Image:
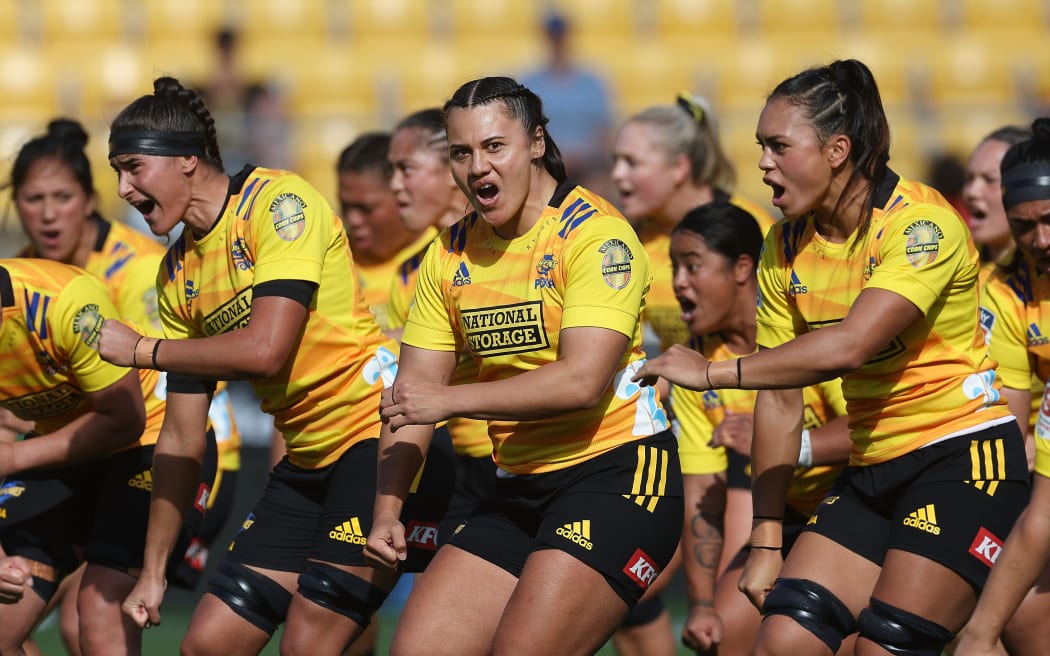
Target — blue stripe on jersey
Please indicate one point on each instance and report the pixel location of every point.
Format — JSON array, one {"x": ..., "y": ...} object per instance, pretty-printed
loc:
[
  {"x": 1021, "y": 284},
  {"x": 118, "y": 264},
  {"x": 173, "y": 259},
  {"x": 575, "y": 214},
  {"x": 247, "y": 194},
  {"x": 409, "y": 266},
  {"x": 37, "y": 311},
  {"x": 793, "y": 232},
  {"x": 457, "y": 237},
  {"x": 255, "y": 196}
]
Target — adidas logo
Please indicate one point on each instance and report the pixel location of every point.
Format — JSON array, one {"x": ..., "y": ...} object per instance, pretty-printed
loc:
[
  {"x": 462, "y": 276},
  {"x": 349, "y": 531},
  {"x": 924, "y": 519},
  {"x": 578, "y": 532},
  {"x": 142, "y": 480}
]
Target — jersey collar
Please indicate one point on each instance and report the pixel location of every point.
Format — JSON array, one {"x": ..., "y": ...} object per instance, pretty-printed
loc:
[
  {"x": 103, "y": 232},
  {"x": 563, "y": 189},
  {"x": 7, "y": 292},
  {"x": 885, "y": 190}
]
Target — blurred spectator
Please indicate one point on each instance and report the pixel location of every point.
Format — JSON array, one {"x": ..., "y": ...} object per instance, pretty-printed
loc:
[
  {"x": 266, "y": 141},
  {"x": 249, "y": 114},
  {"x": 576, "y": 100},
  {"x": 947, "y": 174}
]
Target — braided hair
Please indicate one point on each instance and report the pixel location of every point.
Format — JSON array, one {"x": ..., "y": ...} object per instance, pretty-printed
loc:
[
  {"x": 521, "y": 103},
  {"x": 172, "y": 108},
  {"x": 842, "y": 98}
]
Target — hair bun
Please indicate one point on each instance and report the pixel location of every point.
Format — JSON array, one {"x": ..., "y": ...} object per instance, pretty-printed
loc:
[
  {"x": 68, "y": 130},
  {"x": 1041, "y": 129}
]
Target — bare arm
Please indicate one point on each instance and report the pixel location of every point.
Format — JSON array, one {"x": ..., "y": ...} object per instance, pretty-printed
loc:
[
  {"x": 874, "y": 319},
  {"x": 176, "y": 468},
  {"x": 702, "y": 541},
  {"x": 402, "y": 451},
  {"x": 258, "y": 350},
  {"x": 831, "y": 443},
  {"x": 587, "y": 361},
  {"x": 774, "y": 453},
  {"x": 115, "y": 420}
]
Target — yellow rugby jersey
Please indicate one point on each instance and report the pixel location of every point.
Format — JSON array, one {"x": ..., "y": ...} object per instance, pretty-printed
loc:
[
  {"x": 378, "y": 281},
  {"x": 697, "y": 414},
  {"x": 662, "y": 311},
  {"x": 52, "y": 314},
  {"x": 933, "y": 380},
  {"x": 470, "y": 437},
  {"x": 506, "y": 301},
  {"x": 273, "y": 227},
  {"x": 1015, "y": 316}
]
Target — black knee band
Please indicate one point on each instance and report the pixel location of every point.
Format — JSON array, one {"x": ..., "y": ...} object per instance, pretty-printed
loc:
[
  {"x": 814, "y": 607},
  {"x": 256, "y": 598},
  {"x": 900, "y": 632},
  {"x": 340, "y": 592}
]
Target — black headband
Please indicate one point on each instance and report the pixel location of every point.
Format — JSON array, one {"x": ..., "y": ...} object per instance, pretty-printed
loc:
[{"x": 156, "y": 142}]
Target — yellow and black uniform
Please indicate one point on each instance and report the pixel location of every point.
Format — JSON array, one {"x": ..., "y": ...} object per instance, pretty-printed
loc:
[
  {"x": 1015, "y": 315},
  {"x": 376, "y": 279},
  {"x": 127, "y": 262},
  {"x": 475, "y": 471},
  {"x": 52, "y": 315},
  {"x": 937, "y": 464},
  {"x": 698, "y": 414},
  {"x": 276, "y": 236},
  {"x": 662, "y": 312},
  {"x": 505, "y": 302}
]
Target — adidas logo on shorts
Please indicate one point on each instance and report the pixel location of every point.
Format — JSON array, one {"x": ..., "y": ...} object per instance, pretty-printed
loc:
[
  {"x": 349, "y": 531},
  {"x": 142, "y": 480},
  {"x": 578, "y": 532},
  {"x": 924, "y": 519}
]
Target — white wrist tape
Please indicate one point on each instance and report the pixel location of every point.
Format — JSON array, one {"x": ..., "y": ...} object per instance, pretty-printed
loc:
[{"x": 805, "y": 452}]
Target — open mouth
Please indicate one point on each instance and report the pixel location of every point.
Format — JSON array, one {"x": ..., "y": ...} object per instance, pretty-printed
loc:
[
  {"x": 487, "y": 191},
  {"x": 778, "y": 192},
  {"x": 688, "y": 308},
  {"x": 145, "y": 207},
  {"x": 977, "y": 215}
]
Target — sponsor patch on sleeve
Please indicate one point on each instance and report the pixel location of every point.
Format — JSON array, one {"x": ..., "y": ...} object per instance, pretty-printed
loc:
[
  {"x": 289, "y": 217},
  {"x": 87, "y": 324},
  {"x": 923, "y": 242},
  {"x": 616, "y": 263}
]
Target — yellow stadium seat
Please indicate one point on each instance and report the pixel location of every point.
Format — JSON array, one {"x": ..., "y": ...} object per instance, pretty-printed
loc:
[
  {"x": 275, "y": 21},
  {"x": 602, "y": 17},
  {"x": 701, "y": 18},
  {"x": 970, "y": 69},
  {"x": 166, "y": 19},
  {"x": 335, "y": 81},
  {"x": 779, "y": 16},
  {"x": 1003, "y": 14},
  {"x": 901, "y": 17},
  {"x": 100, "y": 21},
  {"x": 465, "y": 19},
  {"x": 375, "y": 19},
  {"x": 28, "y": 85}
]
